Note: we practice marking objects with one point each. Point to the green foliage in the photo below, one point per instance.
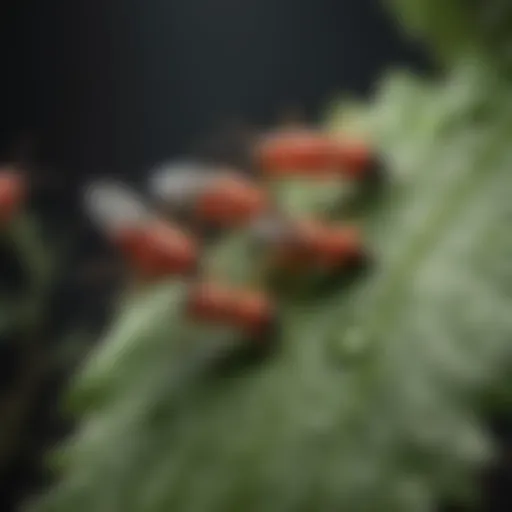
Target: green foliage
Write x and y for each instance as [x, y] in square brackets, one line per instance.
[455, 28]
[370, 402]
[23, 314]
[25, 238]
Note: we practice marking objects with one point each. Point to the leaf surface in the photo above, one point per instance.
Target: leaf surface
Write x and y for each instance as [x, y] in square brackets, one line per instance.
[370, 402]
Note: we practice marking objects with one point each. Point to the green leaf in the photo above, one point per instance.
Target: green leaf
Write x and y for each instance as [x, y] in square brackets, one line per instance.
[455, 28]
[40, 262]
[372, 400]
[370, 403]
[146, 325]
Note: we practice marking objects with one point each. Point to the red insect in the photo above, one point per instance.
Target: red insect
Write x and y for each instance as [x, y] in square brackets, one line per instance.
[229, 201]
[305, 244]
[12, 194]
[308, 153]
[220, 199]
[250, 311]
[157, 249]
[153, 247]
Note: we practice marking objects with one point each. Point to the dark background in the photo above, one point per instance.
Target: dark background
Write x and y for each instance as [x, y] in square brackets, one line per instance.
[120, 84]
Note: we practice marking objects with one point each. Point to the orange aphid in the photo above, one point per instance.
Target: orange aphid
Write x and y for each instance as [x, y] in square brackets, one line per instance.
[230, 200]
[154, 248]
[311, 243]
[296, 152]
[330, 246]
[222, 198]
[12, 192]
[354, 157]
[218, 304]
[157, 249]
[309, 153]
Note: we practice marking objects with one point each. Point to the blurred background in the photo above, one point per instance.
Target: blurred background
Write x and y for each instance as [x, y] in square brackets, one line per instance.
[108, 86]
[120, 85]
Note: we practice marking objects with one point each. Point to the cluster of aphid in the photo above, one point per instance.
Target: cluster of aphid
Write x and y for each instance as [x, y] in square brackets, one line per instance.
[164, 237]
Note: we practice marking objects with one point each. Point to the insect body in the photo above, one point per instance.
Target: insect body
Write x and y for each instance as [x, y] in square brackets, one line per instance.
[152, 246]
[306, 244]
[12, 192]
[250, 311]
[308, 153]
[211, 197]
